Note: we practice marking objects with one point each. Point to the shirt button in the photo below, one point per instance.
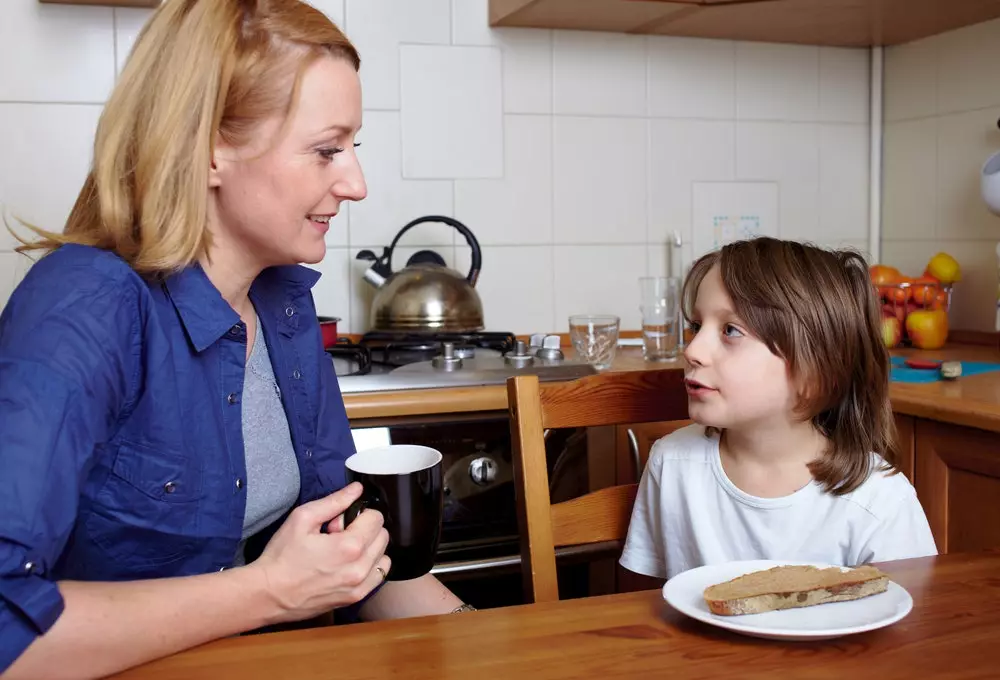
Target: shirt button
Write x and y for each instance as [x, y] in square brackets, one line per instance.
[289, 311]
[239, 483]
[232, 398]
[29, 567]
[235, 330]
[296, 374]
[223, 568]
[170, 487]
[309, 453]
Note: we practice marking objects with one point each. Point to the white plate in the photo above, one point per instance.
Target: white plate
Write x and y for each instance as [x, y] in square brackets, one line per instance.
[684, 593]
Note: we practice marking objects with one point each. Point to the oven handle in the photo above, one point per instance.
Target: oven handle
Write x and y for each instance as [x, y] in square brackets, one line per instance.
[633, 446]
[466, 566]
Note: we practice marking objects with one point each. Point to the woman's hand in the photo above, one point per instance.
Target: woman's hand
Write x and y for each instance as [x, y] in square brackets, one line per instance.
[308, 572]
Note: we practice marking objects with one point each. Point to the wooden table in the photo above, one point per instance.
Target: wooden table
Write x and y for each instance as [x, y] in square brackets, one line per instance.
[953, 631]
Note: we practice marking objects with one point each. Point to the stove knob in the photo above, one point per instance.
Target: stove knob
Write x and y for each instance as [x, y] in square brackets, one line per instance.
[549, 349]
[519, 357]
[448, 360]
[483, 471]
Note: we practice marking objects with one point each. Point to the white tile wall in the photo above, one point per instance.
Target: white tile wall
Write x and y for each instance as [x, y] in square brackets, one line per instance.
[682, 152]
[788, 153]
[55, 53]
[393, 201]
[910, 177]
[518, 288]
[942, 107]
[378, 27]
[517, 208]
[910, 80]
[843, 180]
[128, 22]
[612, 84]
[332, 293]
[844, 91]
[452, 112]
[45, 151]
[599, 280]
[527, 56]
[691, 78]
[573, 160]
[600, 180]
[777, 82]
[967, 68]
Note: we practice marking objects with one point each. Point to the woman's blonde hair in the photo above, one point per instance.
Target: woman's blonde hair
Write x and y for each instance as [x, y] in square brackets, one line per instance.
[816, 309]
[199, 69]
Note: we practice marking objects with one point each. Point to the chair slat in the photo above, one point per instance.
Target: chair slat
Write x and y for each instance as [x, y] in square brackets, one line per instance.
[599, 516]
[603, 515]
[615, 399]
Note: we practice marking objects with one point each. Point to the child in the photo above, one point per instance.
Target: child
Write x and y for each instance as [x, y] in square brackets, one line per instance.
[788, 384]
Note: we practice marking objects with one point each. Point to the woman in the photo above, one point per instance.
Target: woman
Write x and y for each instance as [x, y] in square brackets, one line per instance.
[166, 409]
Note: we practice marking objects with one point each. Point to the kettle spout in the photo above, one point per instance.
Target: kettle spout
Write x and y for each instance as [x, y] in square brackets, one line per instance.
[379, 272]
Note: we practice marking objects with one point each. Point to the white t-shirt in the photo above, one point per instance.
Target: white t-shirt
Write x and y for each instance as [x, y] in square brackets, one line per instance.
[688, 514]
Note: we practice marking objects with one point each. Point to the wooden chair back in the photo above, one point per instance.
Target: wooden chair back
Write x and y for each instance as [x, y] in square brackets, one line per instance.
[600, 400]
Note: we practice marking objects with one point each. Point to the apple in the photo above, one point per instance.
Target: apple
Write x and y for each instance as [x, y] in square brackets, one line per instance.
[944, 268]
[892, 309]
[927, 328]
[892, 330]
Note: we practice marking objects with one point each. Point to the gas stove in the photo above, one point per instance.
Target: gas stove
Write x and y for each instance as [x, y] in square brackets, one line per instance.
[409, 361]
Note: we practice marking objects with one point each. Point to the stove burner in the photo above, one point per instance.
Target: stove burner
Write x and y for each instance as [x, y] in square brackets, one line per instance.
[395, 349]
[357, 358]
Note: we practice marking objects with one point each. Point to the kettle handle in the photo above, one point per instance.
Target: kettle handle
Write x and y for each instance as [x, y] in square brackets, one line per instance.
[477, 253]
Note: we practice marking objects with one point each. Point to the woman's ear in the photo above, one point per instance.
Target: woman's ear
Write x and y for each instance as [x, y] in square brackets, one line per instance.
[214, 176]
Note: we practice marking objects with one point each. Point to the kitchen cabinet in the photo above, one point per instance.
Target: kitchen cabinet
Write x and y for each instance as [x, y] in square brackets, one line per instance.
[845, 23]
[104, 3]
[958, 482]
[905, 441]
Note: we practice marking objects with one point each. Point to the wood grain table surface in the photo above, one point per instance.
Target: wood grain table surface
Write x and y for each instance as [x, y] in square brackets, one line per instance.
[953, 631]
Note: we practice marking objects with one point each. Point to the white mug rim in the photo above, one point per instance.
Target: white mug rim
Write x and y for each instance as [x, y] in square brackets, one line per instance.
[381, 460]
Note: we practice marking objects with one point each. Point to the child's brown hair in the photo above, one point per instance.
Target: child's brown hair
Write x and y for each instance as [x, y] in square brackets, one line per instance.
[817, 310]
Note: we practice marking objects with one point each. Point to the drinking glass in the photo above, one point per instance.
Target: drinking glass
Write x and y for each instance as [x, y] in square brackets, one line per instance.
[660, 298]
[595, 338]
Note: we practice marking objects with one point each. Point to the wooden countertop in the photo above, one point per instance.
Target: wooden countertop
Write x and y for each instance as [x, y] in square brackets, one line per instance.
[952, 631]
[973, 401]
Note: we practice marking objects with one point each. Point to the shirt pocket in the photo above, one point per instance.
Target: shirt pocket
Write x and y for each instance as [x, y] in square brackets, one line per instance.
[149, 510]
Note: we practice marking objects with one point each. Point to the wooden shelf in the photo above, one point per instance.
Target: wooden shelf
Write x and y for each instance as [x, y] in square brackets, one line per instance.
[845, 23]
[105, 3]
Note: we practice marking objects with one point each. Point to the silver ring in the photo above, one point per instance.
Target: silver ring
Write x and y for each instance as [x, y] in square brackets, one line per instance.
[381, 571]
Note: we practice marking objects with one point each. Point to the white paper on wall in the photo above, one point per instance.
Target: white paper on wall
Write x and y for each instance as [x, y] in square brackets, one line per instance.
[724, 212]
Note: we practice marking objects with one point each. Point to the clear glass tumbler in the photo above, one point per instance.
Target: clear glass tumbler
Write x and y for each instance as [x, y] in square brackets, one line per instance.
[595, 338]
[660, 307]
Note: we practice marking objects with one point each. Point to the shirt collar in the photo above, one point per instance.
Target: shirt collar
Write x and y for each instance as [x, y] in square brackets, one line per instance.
[205, 314]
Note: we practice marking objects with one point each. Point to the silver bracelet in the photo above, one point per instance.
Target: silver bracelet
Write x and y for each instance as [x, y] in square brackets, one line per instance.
[463, 608]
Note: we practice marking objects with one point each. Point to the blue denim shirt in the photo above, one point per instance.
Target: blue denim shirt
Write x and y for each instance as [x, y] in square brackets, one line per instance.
[121, 446]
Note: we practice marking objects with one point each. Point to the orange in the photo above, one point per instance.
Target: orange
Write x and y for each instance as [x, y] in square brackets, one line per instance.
[924, 290]
[883, 275]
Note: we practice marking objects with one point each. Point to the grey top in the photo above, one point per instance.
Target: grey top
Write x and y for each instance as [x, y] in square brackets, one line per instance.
[272, 470]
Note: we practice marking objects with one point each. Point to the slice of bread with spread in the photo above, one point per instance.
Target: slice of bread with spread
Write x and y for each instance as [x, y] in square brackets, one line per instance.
[787, 587]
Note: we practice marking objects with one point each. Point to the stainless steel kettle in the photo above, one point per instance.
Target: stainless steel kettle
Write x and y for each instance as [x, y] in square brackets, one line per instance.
[425, 295]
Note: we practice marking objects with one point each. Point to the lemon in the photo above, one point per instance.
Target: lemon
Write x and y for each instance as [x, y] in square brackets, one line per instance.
[944, 268]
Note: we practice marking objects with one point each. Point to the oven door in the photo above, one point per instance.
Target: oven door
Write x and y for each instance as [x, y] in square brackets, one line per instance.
[479, 553]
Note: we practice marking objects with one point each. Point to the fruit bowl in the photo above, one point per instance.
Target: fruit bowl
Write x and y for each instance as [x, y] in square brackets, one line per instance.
[915, 313]
[915, 310]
